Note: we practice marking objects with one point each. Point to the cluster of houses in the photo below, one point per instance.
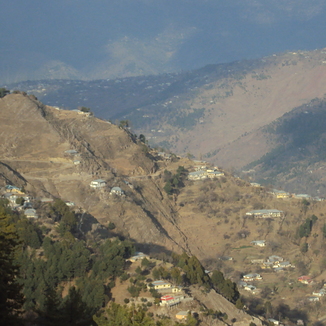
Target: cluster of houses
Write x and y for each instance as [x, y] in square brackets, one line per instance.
[203, 172]
[25, 205]
[317, 294]
[100, 183]
[285, 195]
[74, 153]
[274, 262]
[12, 194]
[171, 295]
[281, 194]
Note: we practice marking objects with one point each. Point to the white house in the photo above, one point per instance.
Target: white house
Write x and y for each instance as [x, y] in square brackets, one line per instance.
[274, 321]
[319, 293]
[159, 285]
[138, 256]
[99, 183]
[116, 191]
[252, 277]
[313, 299]
[250, 288]
[275, 259]
[259, 243]
[197, 175]
[168, 300]
[30, 213]
[265, 213]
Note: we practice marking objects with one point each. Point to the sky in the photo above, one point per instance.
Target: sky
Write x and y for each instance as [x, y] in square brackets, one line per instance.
[107, 38]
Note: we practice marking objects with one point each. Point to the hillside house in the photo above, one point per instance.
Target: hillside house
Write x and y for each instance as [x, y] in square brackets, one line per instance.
[27, 204]
[71, 152]
[177, 289]
[274, 321]
[259, 243]
[99, 183]
[182, 315]
[27, 198]
[14, 190]
[305, 279]
[265, 213]
[214, 174]
[138, 256]
[168, 300]
[250, 288]
[225, 258]
[116, 191]
[30, 213]
[319, 293]
[275, 259]
[284, 264]
[202, 172]
[197, 175]
[200, 167]
[11, 197]
[242, 284]
[302, 196]
[313, 299]
[255, 184]
[267, 264]
[159, 285]
[251, 277]
[281, 194]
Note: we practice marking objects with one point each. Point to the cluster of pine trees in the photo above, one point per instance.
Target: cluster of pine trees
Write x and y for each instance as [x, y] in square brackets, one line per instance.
[173, 182]
[63, 281]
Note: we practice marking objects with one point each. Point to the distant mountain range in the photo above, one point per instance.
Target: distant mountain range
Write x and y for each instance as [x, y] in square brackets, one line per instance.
[141, 37]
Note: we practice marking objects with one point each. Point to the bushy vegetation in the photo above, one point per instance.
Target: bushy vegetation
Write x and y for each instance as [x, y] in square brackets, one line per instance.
[173, 182]
[305, 228]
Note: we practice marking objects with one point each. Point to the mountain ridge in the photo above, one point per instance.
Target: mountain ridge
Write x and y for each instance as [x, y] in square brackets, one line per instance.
[215, 112]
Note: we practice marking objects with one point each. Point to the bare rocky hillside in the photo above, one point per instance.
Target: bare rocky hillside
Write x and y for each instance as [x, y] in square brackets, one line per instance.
[57, 153]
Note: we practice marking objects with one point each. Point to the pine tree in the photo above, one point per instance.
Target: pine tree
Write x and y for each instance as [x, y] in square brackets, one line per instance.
[11, 299]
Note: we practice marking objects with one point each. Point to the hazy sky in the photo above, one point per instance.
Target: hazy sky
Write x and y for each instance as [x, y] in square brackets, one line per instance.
[151, 35]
